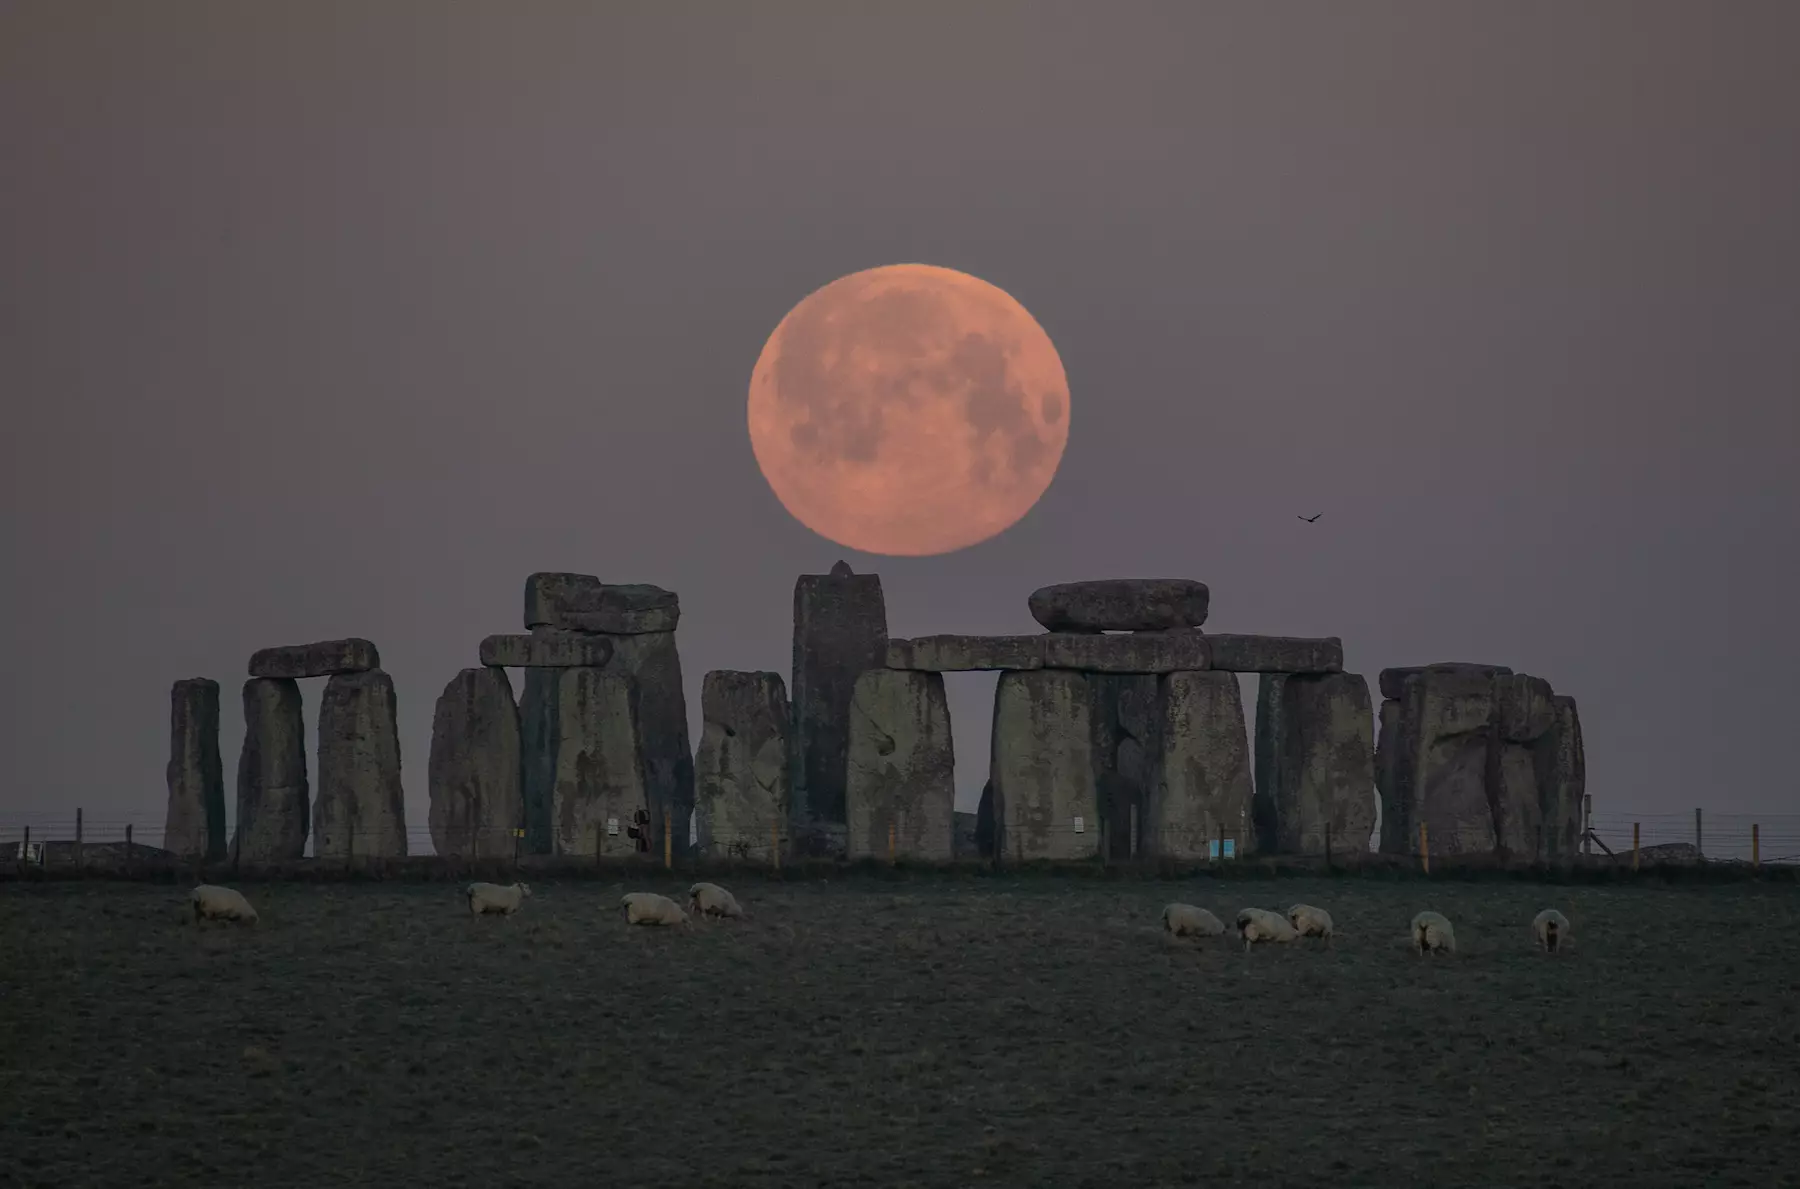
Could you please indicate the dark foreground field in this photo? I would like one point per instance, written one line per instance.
(933, 1032)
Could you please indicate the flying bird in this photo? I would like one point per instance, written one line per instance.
(1313, 517)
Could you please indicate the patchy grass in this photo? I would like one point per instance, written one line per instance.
(926, 1031)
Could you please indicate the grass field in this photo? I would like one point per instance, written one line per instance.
(936, 1031)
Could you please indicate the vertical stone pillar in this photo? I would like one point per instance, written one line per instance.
(599, 802)
(539, 737)
(900, 767)
(742, 768)
(474, 771)
(361, 808)
(1203, 788)
(1561, 762)
(1043, 766)
(1315, 735)
(840, 631)
(195, 825)
(272, 812)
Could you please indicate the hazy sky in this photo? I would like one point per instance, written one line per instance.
(339, 319)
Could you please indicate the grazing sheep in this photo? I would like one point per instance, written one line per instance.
(1309, 921)
(212, 902)
(1551, 928)
(1185, 920)
(504, 899)
(709, 899)
(648, 908)
(1432, 932)
(1259, 924)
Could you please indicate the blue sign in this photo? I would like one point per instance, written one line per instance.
(1212, 848)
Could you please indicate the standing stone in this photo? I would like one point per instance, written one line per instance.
(1561, 769)
(741, 769)
(652, 662)
(840, 631)
(474, 770)
(540, 734)
(1203, 787)
(900, 767)
(1126, 726)
(1046, 803)
(361, 808)
(985, 826)
(195, 826)
(599, 802)
(1314, 734)
(1438, 770)
(272, 812)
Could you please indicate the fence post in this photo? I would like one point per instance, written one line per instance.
(1755, 847)
(1540, 856)
(129, 862)
(1699, 851)
(78, 841)
(24, 851)
(1328, 846)
(1634, 846)
(775, 845)
(668, 841)
(1587, 823)
(891, 839)
(1424, 849)
(1221, 842)
(1134, 831)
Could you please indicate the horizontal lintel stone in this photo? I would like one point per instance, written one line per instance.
(547, 652)
(322, 659)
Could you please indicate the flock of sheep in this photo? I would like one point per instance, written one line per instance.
(1430, 932)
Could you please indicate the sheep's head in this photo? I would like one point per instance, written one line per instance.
(524, 889)
(1293, 916)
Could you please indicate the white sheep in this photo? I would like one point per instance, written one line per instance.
(212, 902)
(504, 899)
(1186, 920)
(709, 899)
(648, 908)
(1310, 921)
(1551, 928)
(1431, 932)
(1259, 924)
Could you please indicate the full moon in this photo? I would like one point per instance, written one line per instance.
(908, 410)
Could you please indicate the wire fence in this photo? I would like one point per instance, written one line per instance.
(52, 839)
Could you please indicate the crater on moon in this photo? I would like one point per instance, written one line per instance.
(908, 410)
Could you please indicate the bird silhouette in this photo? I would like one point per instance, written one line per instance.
(1313, 517)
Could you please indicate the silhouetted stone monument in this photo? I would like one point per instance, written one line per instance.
(195, 825)
(272, 793)
(474, 772)
(742, 767)
(901, 767)
(361, 807)
(840, 632)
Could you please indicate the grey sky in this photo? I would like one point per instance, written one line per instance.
(339, 319)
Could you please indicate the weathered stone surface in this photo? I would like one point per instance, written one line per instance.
(1121, 605)
(653, 663)
(1439, 765)
(547, 651)
(1393, 681)
(474, 771)
(272, 792)
(1277, 654)
(195, 825)
(1043, 766)
(1203, 788)
(840, 631)
(361, 808)
(548, 592)
(1126, 723)
(540, 734)
(599, 803)
(323, 659)
(963, 844)
(1143, 652)
(955, 654)
(742, 768)
(1561, 770)
(901, 767)
(1179, 651)
(631, 609)
(841, 569)
(986, 829)
(1523, 708)
(1315, 777)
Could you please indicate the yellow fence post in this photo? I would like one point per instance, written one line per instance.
(1634, 846)
(1755, 846)
(668, 841)
(1424, 849)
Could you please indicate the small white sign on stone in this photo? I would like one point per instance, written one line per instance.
(612, 827)
(1080, 826)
